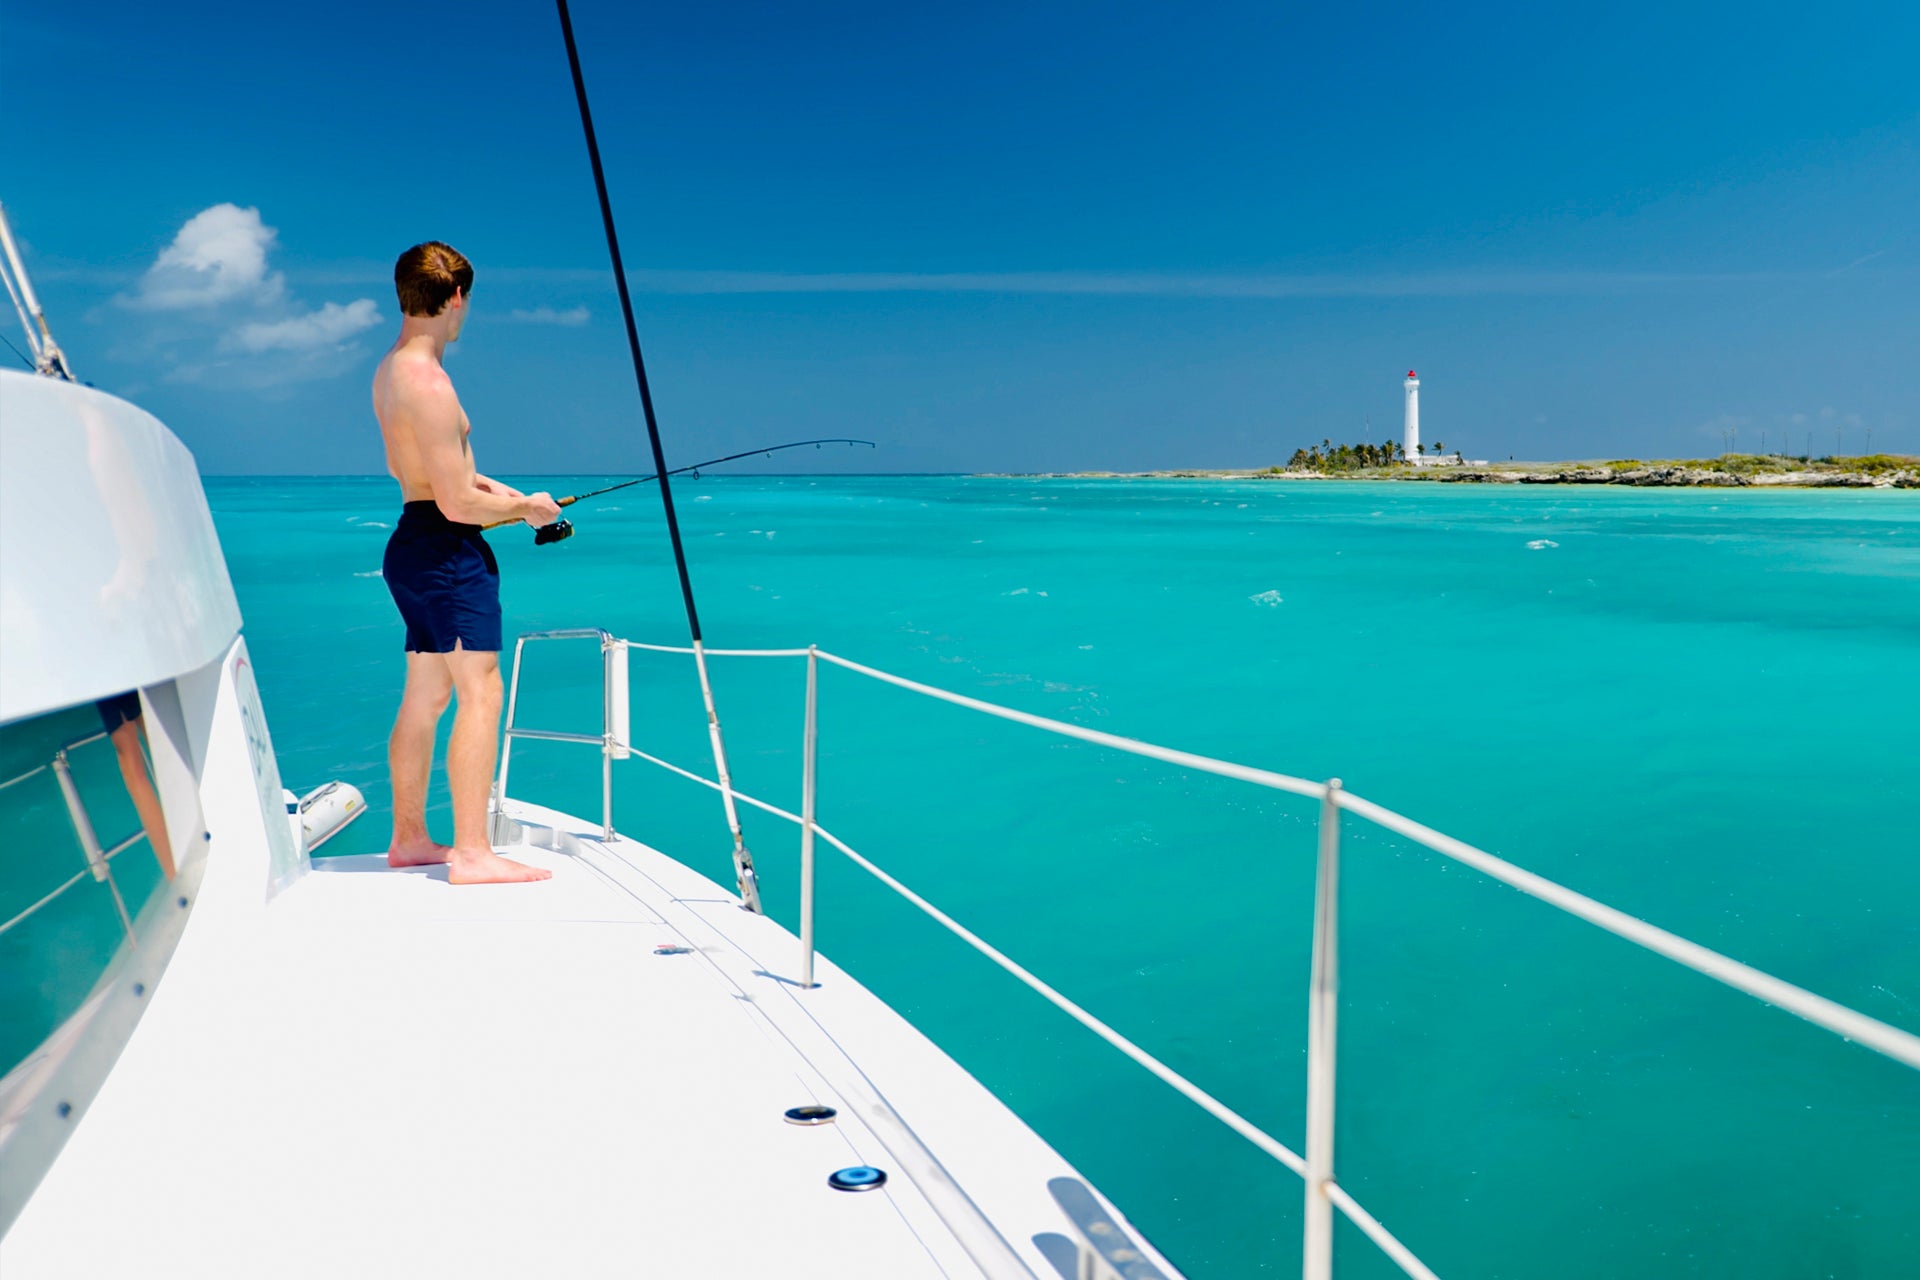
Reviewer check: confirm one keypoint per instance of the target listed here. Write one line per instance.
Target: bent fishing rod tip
(561, 530)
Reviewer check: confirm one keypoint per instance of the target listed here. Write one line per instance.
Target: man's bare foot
(484, 866)
(420, 852)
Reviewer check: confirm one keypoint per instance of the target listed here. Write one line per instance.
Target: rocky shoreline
(1650, 475)
(1681, 477)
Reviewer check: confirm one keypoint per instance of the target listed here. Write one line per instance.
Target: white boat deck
(381, 1074)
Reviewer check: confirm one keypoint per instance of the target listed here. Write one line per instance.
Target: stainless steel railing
(1323, 1193)
(99, 858)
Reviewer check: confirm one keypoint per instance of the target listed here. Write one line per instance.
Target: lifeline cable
(742, 859)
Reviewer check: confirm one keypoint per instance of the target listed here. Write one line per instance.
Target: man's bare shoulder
(417, 382)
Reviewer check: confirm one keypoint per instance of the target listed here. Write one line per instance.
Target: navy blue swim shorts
(121, 708)
(445, 580)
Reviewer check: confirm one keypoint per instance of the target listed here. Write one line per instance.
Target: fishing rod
(743, 872)
(561, 530)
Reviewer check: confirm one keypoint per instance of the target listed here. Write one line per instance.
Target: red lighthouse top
(1412, 374)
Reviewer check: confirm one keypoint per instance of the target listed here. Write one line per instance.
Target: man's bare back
(443, 576)
(429, 445)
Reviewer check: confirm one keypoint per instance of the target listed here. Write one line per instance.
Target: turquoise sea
(1698, 706)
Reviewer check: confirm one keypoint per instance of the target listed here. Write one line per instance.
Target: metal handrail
(604, 740)
(99, 858)
(1323, 1193)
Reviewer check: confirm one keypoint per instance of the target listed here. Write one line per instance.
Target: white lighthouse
(1412, 445)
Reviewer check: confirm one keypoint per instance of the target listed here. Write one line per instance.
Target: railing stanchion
(809, 755)
(606, 734)
(1322, 1008)
(89, 841)
(506, 745)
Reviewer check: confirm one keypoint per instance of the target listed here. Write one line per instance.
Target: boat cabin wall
(100, 800)
(113, 576)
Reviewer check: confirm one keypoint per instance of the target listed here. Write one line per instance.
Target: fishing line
(743, 871)
(561, 530)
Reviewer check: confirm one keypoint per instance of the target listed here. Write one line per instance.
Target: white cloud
(573, 317)
(219, 256)
(219, 315)
(331, 325)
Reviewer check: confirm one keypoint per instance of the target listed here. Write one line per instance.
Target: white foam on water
(373, 573)
(376, 524)
(1017, 591)
(705, 497)
(1541, 544)
(1268, 598)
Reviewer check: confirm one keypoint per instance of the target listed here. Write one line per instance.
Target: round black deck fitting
(810, 1115)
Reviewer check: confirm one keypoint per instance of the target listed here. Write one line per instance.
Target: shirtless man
(442, 574)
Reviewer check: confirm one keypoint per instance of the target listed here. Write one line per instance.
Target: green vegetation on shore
(1348, 459)
(1329, 458)
(1730, 470)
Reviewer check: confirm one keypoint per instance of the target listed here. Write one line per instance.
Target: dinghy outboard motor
(323, 813)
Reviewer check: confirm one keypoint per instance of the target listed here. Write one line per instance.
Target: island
(1730, 470)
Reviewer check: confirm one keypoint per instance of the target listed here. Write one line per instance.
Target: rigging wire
(743, 869)
(24, 358)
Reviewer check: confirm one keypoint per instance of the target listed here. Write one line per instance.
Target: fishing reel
(558, 531)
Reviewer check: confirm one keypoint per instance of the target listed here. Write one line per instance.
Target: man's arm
(433, 411)
(487, 484)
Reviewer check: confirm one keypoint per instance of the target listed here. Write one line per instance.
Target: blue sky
(990, 237)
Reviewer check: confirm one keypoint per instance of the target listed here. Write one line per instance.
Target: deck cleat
(745, 877)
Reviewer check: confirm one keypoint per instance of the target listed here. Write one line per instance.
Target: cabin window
(83, 849)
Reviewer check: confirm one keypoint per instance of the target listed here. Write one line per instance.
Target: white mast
(1412, 445)
(47, 356)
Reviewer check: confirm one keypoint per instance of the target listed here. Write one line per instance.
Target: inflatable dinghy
(323, 813)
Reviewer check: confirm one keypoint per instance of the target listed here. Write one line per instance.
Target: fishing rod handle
(501, 524)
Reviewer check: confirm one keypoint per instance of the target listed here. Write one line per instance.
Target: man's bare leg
(470, 757)
(146, 801)
(410, 758)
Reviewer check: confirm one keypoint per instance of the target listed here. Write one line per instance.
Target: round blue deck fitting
(859, 1178)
